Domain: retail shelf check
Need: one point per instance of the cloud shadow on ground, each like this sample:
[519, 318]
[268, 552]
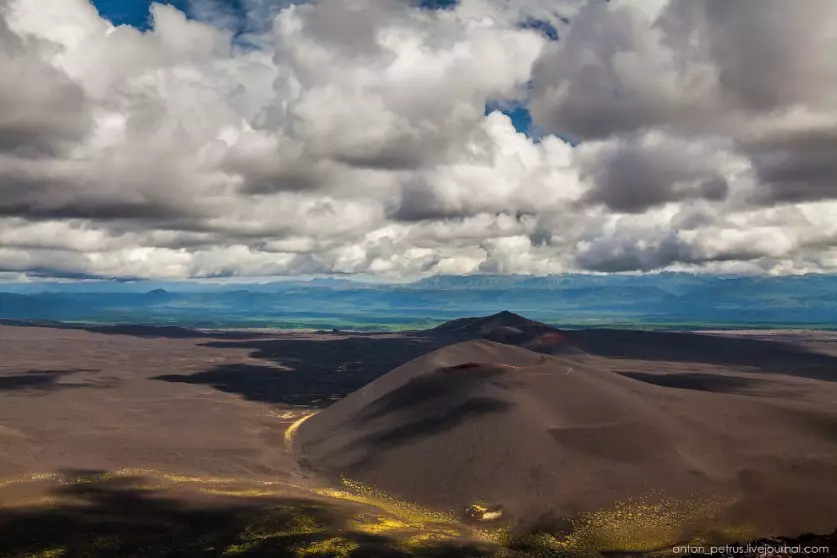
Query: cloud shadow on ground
[104, 517]
[314, 372]
[43, 380]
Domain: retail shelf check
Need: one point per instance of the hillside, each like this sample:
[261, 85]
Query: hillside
[491, 325]
[508, 328]
[484, 423]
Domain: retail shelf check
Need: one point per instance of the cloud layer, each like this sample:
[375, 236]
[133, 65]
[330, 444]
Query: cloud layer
[351, 136]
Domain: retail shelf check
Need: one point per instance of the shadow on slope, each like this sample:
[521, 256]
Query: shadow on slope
[427, 405]
[766, 356]
[695, 381]
[484, 422]
[409, 432]
[453, 383]
[116, 517]
[763, 355]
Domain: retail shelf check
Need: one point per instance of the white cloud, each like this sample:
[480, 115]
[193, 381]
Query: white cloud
[350, 136]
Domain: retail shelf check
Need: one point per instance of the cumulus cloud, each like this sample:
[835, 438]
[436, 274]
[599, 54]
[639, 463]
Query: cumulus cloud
[41, 109]
[352, 137]
[634, 174]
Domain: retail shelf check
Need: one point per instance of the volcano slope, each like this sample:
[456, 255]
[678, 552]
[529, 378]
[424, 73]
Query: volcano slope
[550, 439]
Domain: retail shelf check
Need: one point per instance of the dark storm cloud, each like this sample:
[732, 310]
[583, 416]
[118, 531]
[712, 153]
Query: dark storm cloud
[578, 88]
[714, 189]
[395, 156]
[795, 167]
[632, 177]
[770, 53]
[420, 201]
[259, 182]
[37, 192]
[636, 253]
[59, 274]
[752, 82]
[88, 209]
[618, 72]
[41, 110]
[541, 238]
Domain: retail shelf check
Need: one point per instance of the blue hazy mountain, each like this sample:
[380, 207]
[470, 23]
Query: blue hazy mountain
[663, 300]
[675, 283]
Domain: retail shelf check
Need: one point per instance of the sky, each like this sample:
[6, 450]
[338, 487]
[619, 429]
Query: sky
[136, 13]
[399, 138]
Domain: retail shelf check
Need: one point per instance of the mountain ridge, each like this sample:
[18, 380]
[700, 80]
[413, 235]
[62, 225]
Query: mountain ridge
[660, 301]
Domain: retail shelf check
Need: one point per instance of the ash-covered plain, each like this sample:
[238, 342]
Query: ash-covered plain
[481, 437]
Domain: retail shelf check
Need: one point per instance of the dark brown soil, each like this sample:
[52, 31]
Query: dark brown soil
[746, 419]
[575, 434]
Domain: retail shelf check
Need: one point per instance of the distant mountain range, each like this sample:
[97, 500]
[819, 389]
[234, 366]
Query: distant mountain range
[669, 300]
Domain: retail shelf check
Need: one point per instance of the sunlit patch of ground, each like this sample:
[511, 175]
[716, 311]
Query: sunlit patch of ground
[363, 493]
[25, 479]
[642, 525]
[338, 547]
[106, 513]
[163, 480]
[291, 431]
[411, 523]
[484, 512]
[301, 520]
[50, 553]
[285, 415]
[633, 525]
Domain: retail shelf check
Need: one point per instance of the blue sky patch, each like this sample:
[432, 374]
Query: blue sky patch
[239, 16]
[437, 4]
[135, 13]
[520, 117]
[522, 121]
[543, 27]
